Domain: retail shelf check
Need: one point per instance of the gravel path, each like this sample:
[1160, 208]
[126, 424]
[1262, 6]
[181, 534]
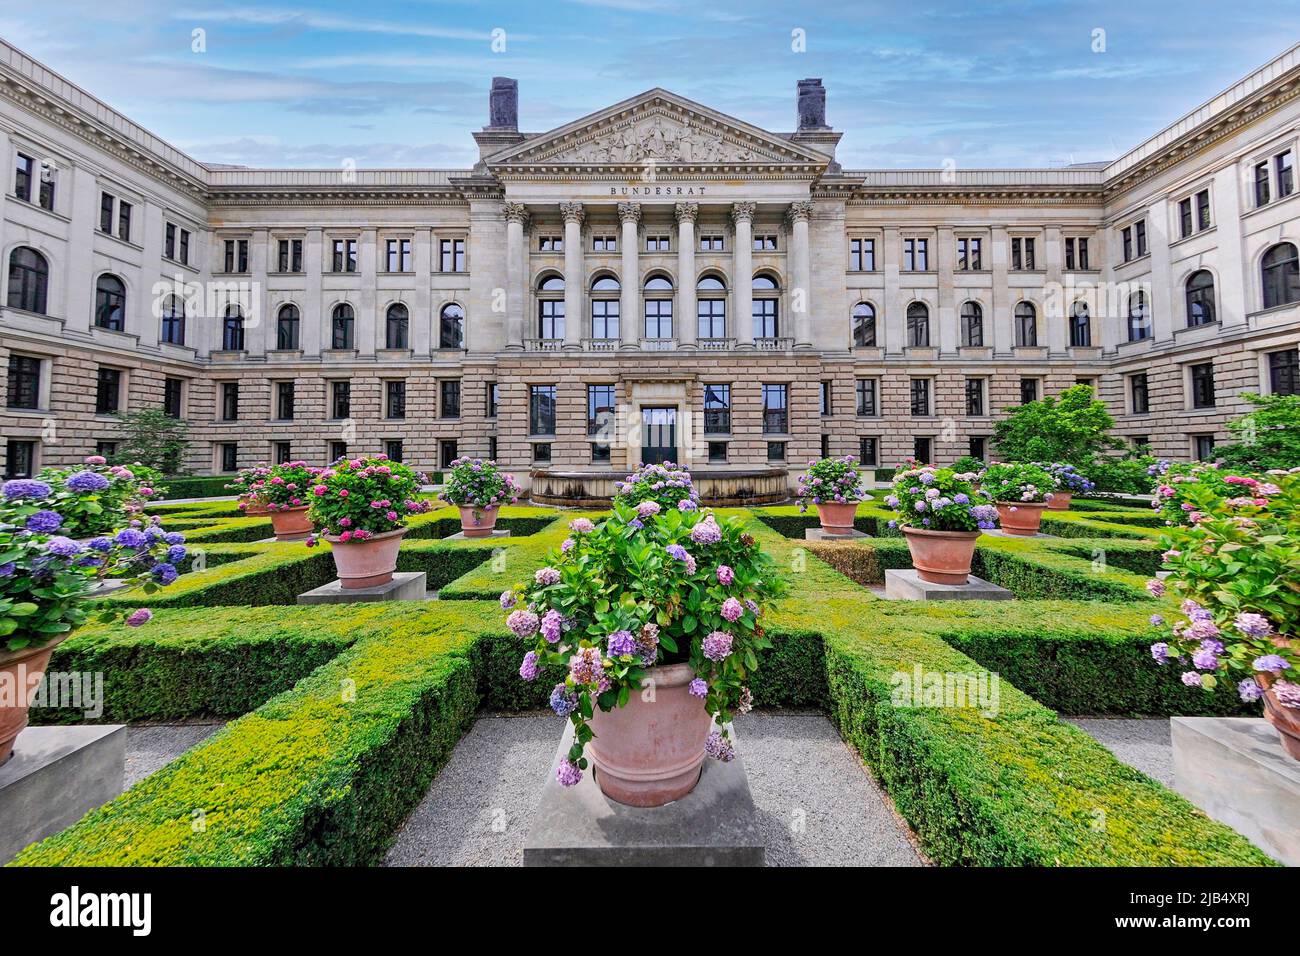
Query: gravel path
[1143, 744]
[150, 748]
[816, 802]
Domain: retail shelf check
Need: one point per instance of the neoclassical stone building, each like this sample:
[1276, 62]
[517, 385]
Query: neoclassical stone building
[655, 280]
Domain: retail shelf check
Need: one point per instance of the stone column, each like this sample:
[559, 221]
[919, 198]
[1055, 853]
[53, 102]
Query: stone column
[516, 214]
[629, 298]
[801, 272]
[687, 323]
[742, 323]
[575, 320]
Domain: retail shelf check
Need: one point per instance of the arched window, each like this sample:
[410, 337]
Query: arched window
[342, 323]
[1280, 268]
[658, 307]
[173, 320]
[1139, 317]
[110, 303]
[29, 280]
[1080, 325]
[232, 329]
[766, 306]
[451, 327]
[918, 324]
[550, 308]
[972, 325]
[711, 307]
[1026, 325]
[287, 322]
[864, 325]
[1200, 298]
[397, 327]
[604, 308]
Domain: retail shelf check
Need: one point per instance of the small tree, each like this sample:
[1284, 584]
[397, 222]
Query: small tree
[1070, 428]
[154, 438]
[1268, 437]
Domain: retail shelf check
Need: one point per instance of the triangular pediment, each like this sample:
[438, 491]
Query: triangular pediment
[661, 128]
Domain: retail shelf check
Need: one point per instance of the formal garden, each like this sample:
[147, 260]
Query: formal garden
[341, 714]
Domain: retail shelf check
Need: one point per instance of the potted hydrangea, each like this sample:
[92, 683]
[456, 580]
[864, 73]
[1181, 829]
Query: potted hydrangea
[1236, 567]
[283, 491]
[668, 484]
[1068, 483]
[1021, 493]
[479, 489]
[360, 506]
[95, 496]
[941, 514]
[244, 485]
[654, 619]
[834, 486]
[47, 579]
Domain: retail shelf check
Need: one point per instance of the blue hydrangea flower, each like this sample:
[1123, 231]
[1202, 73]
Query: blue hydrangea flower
[44, 522]
[101, 544]
[174, 537]
[26, 488]
[176, 553]
[164, 573]
[62, 547]
[86, 482]
[131, 538]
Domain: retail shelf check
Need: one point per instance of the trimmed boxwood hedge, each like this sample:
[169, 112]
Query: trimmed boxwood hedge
[201, 486]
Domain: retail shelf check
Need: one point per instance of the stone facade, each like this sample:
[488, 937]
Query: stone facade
[675, 218]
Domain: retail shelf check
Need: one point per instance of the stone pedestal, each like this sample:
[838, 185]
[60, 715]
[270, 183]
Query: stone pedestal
[906, 585]
[716, 824]
[289, 539]
[1234, 768]
[496, 533]
[55, 777]
[405, 586]
[821, 534]
[999, 533]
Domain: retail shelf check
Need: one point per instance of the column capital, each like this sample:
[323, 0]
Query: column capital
[687, 211]
[572, 212]
[800, 211]
[629, 212]
[743, 211]
[515, 212]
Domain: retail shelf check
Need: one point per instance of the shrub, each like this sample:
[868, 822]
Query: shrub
[1268, 437]
[1017, 483]
[475, 483]
[967, 464]
[1179, 486]
[95, 497]
[1129, 475]
[153, 438]
[940, 499]
[668, 485]
[1067, 477]
[209, 486]
[830, 480]
[1070, 428]
[276, 487]
[360, 498]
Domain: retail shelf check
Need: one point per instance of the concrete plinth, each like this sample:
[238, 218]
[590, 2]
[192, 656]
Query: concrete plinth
[496, 533]
[289, 539]
[999, 533]
[1234, 768]
[906, 585]
[821, 534]
[55, 777]
[405, 586]
[715, 824]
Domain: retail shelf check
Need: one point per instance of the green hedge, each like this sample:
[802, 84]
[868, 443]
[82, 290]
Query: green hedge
[203, 486]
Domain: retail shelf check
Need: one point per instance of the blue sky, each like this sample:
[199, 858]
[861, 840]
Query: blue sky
[911, 83]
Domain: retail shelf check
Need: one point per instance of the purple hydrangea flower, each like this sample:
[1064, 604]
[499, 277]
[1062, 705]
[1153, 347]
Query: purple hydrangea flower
[546, 576]
[732, 609]
[620, 643]
[706, 532]
[568, 773]
[1272, 663]
[635, 524]
[1249, 691]
[176, 553]
[647, 509]
[552, 625]
[523, 622]
[725, 575]
[44, 522]
[1191, 679]
[100, 544]
[717, 646]
[86, 482]
[528, 670]
[1205, 658]
[1253, 625]
[174, 537]
[131, 538]
[581, 526]
[26, 488]
[1287, 694]
[686, 504]
[139, 616]
[1160, 651]
[62, 547]
[719, 747]
[699, 687]
[563, 701]
[1157, 620]
[508, 600]
[7, 569]
[165, 573]
[1156, 588]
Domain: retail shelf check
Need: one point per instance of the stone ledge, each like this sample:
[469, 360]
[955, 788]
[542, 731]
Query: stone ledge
[905, 584]
[821, 534]
[405, 586]
[462, 536]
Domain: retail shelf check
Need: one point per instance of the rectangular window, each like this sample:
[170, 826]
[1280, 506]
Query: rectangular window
[600, 411]
[492, 447]
[23, 176]
[20, 459]
[106, 213]
[451, 255]
[229, 457]
[1203, 209]
[1076, 254]
[183, 248]
[1022, 254]
[169, 241]
[656, 244]
[46, 198]
[493, 394]
[24, 382]
[447, 452]
[826, 407]
[283, 452]
[289, 258]
[1261, 184]
[173, 392]
[765, 243]
[975, 397]
[968, 255]
[604, 244]
[1185, 217]
[869, 450]
[541, 411]
[717, 452]
[395, 399]
[236, 255]
[449, 397]
[710, 243]
[1204, 445]
[976, 447]
[1203, 385]
[1126, 236]
[343, 256]
[550, 244]
[1283, 163]
[338, 449]
[862, 255]
[717, 409]
[340, 399]
[106, 449]
[124, 221]
[108, 391]
[1028, 390]
[1284, 372]
[866, 397]
[398, 255]
[826, 446]
[776, 451]
[284, 395]
[1140, 237]
[920, 397]
[600, 452]
[230, 401]
[916, 255]
[776, 411]
[1139, 394]
[921, 449]
[542, 452]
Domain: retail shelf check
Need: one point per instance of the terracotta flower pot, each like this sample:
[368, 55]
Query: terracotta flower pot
[837, 518]
[20, 671]
[1021, 517]
[648, 753]
[291, 523]
[1060, 501]
[478, 522]
[1285, 720]
[368, 563]
[941, 557]
[256, 510]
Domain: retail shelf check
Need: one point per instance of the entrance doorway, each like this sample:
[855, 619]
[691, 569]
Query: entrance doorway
[658, 435]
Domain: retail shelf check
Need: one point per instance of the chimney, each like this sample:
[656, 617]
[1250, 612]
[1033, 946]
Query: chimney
[503, 104]
[812, 105]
